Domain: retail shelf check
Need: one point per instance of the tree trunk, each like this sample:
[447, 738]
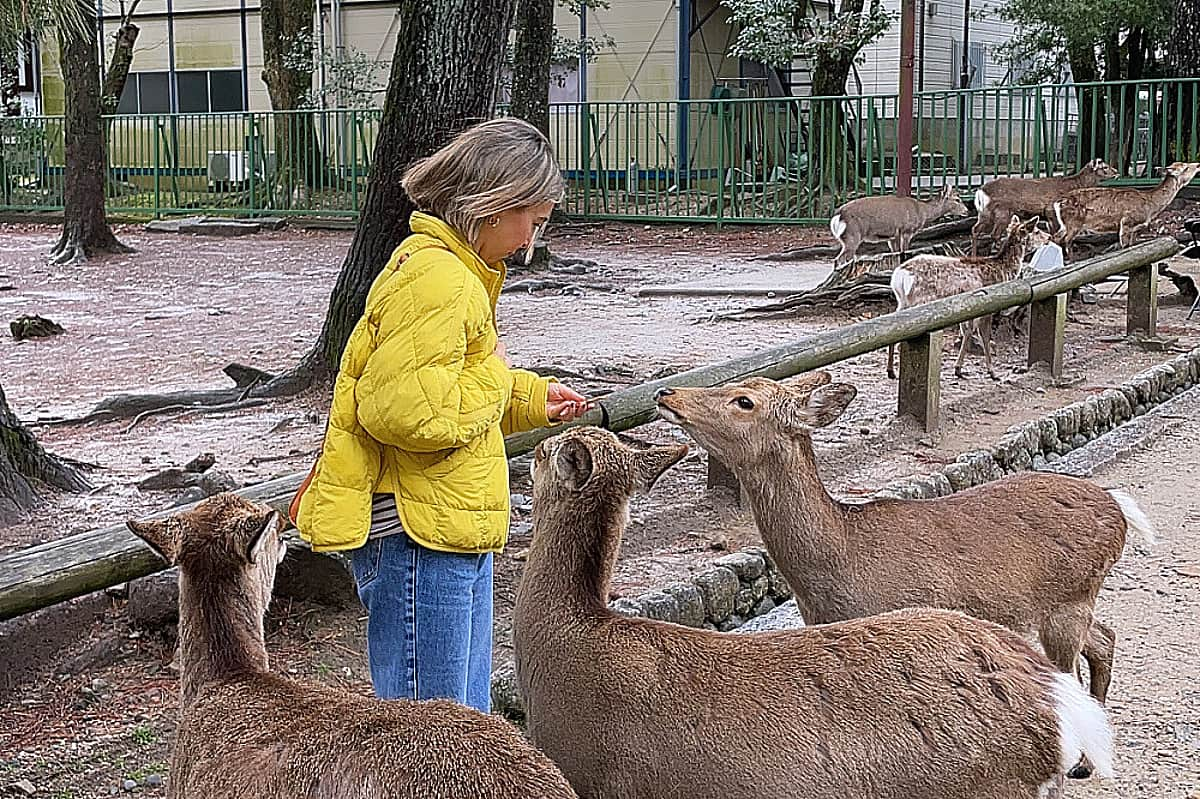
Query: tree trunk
[443, 79]
[287, 33]
[23, 462]
[85, 224]
[1084, 69]
[118, 66]
[531, 67]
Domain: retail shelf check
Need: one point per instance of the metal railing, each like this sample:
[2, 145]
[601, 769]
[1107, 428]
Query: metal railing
[785, 159]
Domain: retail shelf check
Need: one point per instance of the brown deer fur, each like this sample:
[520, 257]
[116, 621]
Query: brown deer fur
[1029, 551]
[245, 733]
[1001, 198]
[892, 219]
[931, 277]
[1123, 211]
[916, 704]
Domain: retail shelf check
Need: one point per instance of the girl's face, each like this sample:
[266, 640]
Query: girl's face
[515, 230]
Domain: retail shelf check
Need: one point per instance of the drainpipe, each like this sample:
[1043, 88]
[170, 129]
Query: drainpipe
[684, 81]
[245, 59]
[583, 62]
[964, 82]
[174, 100]
[921, 48]
[904, 113]
[100, 31]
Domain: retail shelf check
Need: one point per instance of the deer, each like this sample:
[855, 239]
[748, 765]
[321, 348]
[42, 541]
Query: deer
[925, 278]
[1029, 551]
[920, 703]
[892, 219]
[998, 199]
[246, 732]
[1119, 210]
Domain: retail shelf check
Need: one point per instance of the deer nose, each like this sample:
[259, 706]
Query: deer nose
[663, 392]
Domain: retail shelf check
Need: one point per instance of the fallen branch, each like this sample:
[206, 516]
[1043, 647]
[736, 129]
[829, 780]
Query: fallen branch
[230, 406]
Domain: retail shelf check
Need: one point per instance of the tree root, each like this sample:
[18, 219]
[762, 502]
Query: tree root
[229, 406]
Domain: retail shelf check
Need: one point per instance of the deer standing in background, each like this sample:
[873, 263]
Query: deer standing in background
[245, 732]
[1116, 210]
[932, 277]
[892, 219]
[999, 199]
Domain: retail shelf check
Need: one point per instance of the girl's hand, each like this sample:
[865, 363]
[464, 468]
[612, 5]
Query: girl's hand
[565, 405]
[502, 353]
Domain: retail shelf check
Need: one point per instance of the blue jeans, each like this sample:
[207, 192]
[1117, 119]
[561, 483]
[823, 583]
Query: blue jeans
[429, 621]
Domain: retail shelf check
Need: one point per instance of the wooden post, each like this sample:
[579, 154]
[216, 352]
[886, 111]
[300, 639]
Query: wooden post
[920, 384]
[721, 476]
[1141, 308]
[1047, 322]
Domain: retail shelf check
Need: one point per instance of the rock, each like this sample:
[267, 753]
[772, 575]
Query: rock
[200, 463]
[659, 605]
[690, 603]
[27, 326]
[745, 565]
[129, 785]
[1039, 462]
[941, 484]
[169, 479]
[216, 481]
[23, 788]
[743, 602]
[193, 494]
[521, 503]
[154, 781]
[1066, 422]
[218, 227]
[958, 475]
[96, 654]
[765, 605]
[1078, 440]
[719, 587]
[760, 587]
[731, 623]
[625, 607]
[1048, 434]
[778, 586]
[154, 600]
[785, 617]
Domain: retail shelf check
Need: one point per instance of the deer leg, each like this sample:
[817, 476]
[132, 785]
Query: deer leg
[984, 221]
[964, 333]
[985, 333]
[850, 244]
[891, 368]
[1062, 637]
[1098, 650]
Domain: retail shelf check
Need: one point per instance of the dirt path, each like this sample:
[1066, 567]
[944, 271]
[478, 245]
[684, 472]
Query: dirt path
[1153, 602]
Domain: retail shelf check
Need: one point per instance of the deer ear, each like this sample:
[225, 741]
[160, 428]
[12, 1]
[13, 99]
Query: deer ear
[265, 533]
[162, 539]
[653, 463]
[806, 384]
[828, 403]
[573, 464]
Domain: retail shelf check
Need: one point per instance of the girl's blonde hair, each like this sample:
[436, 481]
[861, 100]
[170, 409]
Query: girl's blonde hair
[488, 168]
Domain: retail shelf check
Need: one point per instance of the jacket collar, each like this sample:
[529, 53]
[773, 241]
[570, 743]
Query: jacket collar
[490, 275]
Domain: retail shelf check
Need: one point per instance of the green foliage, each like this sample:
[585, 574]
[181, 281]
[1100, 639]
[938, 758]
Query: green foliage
[775, 32]
[1046, 31]
[38, 16]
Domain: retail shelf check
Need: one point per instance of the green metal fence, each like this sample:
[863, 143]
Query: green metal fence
[790, 159]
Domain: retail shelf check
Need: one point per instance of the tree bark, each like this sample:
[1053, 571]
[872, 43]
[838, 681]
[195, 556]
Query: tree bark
[1183, 61]
[287, 34]
[531, 65]
[85, 223]
[23, 463]
[1084, 69]
[118, 65]
[443, 79]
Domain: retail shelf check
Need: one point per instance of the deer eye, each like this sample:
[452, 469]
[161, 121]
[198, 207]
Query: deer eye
[745, 403]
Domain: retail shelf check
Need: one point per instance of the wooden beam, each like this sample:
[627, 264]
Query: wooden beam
[920, 379]
[1141, 306]
[1047, 328]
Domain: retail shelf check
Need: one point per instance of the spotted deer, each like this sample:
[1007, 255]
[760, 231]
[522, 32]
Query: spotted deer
[1000, 198]
[246, 732]
[1118, 210]
[892, 219]
[1029, 551]
[932, 277]
[919, 703]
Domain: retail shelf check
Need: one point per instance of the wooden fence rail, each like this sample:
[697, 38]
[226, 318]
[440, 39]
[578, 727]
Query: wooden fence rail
[79, 564]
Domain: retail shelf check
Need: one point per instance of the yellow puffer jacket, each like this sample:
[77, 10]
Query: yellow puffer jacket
[422, 404]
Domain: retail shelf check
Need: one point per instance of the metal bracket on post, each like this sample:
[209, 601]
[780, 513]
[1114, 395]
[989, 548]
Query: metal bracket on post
[1047, 324]
[920, 379]
[1141, 309]
[721, 476]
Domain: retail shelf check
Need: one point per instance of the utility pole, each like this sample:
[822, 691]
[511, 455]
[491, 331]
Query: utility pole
[904, 112]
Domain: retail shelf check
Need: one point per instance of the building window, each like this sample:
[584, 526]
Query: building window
[197, 92]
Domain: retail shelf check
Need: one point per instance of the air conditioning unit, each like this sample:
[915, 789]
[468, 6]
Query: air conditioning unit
[228, 169]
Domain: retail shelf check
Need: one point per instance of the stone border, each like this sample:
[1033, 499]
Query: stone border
[747, 583]
[1039, 443]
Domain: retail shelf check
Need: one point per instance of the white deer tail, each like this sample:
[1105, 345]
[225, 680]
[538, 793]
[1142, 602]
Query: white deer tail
[1058, 215]
[902, 285]
[1138, 526]
[1083, 728]
[837, 226]
[981, 200]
